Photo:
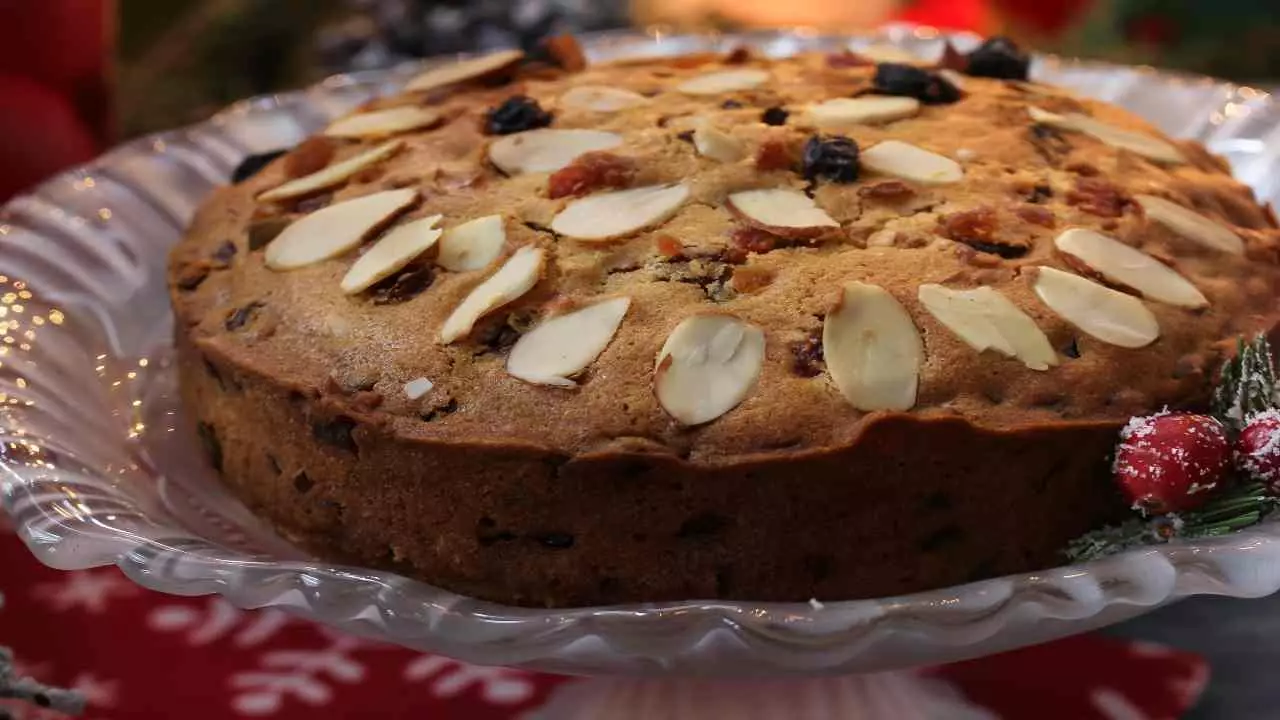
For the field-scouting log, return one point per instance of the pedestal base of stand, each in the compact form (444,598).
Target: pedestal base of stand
(882,696)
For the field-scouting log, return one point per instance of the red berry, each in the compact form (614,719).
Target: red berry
(1258,449)
(1170,462)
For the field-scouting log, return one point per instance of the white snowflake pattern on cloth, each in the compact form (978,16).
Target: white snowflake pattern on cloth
(84,683)
(216,620)
(447,678)
(302,674)
(90,591)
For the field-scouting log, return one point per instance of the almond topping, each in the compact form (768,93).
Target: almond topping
(840,112)
(418,387)
(332,175)
(1106,314)
(724,81)
(565,345)
(336,229)
(708,365)
(882,53)
(1129,267)
(873,349)
(784,212)
(472,245)
(1191,225)
(515,278)
(391,253)
(613,214)
(547,149)
(457,72)
(597,98)
(1145,145)
(717,144)
(893,157)
(986,320)
(380,123)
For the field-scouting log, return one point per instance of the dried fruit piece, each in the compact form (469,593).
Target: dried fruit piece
(911,81)
(887,190)
(407,285)
(311,156)
(253,164)
(781,211)
(717,144)
(590,172)
(834,157)
(866,110)
(472,245)
(723,81)
(391,253)
(516,114)
(457,72)
(1108,315)
(707,367)
(565,52)
(547,150)
(515,278)
(1191,225)
(1098,197)
(998,57)
(380,123)
(600,98)
(894,157)
(565,345)
(331,175)
(609,215)
(336,229)
(1129,267)
(873,349)
(986,320)
(1145,145)
(775,154)
(883,53)
(774,116)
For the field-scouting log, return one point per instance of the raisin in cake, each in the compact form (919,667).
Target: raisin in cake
(713,326)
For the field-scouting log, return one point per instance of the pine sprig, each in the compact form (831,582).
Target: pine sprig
(1247,383)
(16,687)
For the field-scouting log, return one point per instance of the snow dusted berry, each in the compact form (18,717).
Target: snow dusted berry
(1171,462)
(1258,449)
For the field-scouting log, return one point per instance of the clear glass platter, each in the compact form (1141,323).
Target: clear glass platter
(99,466)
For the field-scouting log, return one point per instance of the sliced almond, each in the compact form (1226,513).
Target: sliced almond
(717,144)
(785,212)
(1110,316)
(723,81)
(1152,148)
(708,365)
(515,278)
(986,320)
(332,175)
(457,72)
(599,98)
(1191,225)
(336,229)
(547,149)
(871,109)
(472,245)
(565,345)
(418,387)
(873,349)
(881,53)
(893,157)
(1129,267)
(605,216)
(380,123)
(391,253)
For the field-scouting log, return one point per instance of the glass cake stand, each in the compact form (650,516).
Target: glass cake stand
(100,467)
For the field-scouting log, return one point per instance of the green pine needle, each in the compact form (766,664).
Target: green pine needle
(1247,383)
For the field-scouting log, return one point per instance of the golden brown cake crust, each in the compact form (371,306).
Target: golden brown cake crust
(532,494)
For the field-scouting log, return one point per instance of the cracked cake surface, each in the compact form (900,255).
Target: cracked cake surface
(710,326)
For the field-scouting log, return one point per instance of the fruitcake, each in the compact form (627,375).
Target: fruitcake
(719,326)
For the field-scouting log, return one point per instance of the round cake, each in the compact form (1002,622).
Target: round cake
(832,326)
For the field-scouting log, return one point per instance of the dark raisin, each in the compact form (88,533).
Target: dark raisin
(405,285)
(336,432)
(686,136)
(1008,252)
(1038,194)
(263,231)
(833,157)
(999,58)
(1049,143)
(302,483)
(274,463)
(704,524)
(911,81)
(731,104)
(555,540)
(516,114)
(313,202)
(1072,350)
(949,535)
(774,116)
(190,277)
(223,255)
(254,164)
(738,55)
(212,446)
(440,411)
(496,338)
(239,317)
(808,356)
